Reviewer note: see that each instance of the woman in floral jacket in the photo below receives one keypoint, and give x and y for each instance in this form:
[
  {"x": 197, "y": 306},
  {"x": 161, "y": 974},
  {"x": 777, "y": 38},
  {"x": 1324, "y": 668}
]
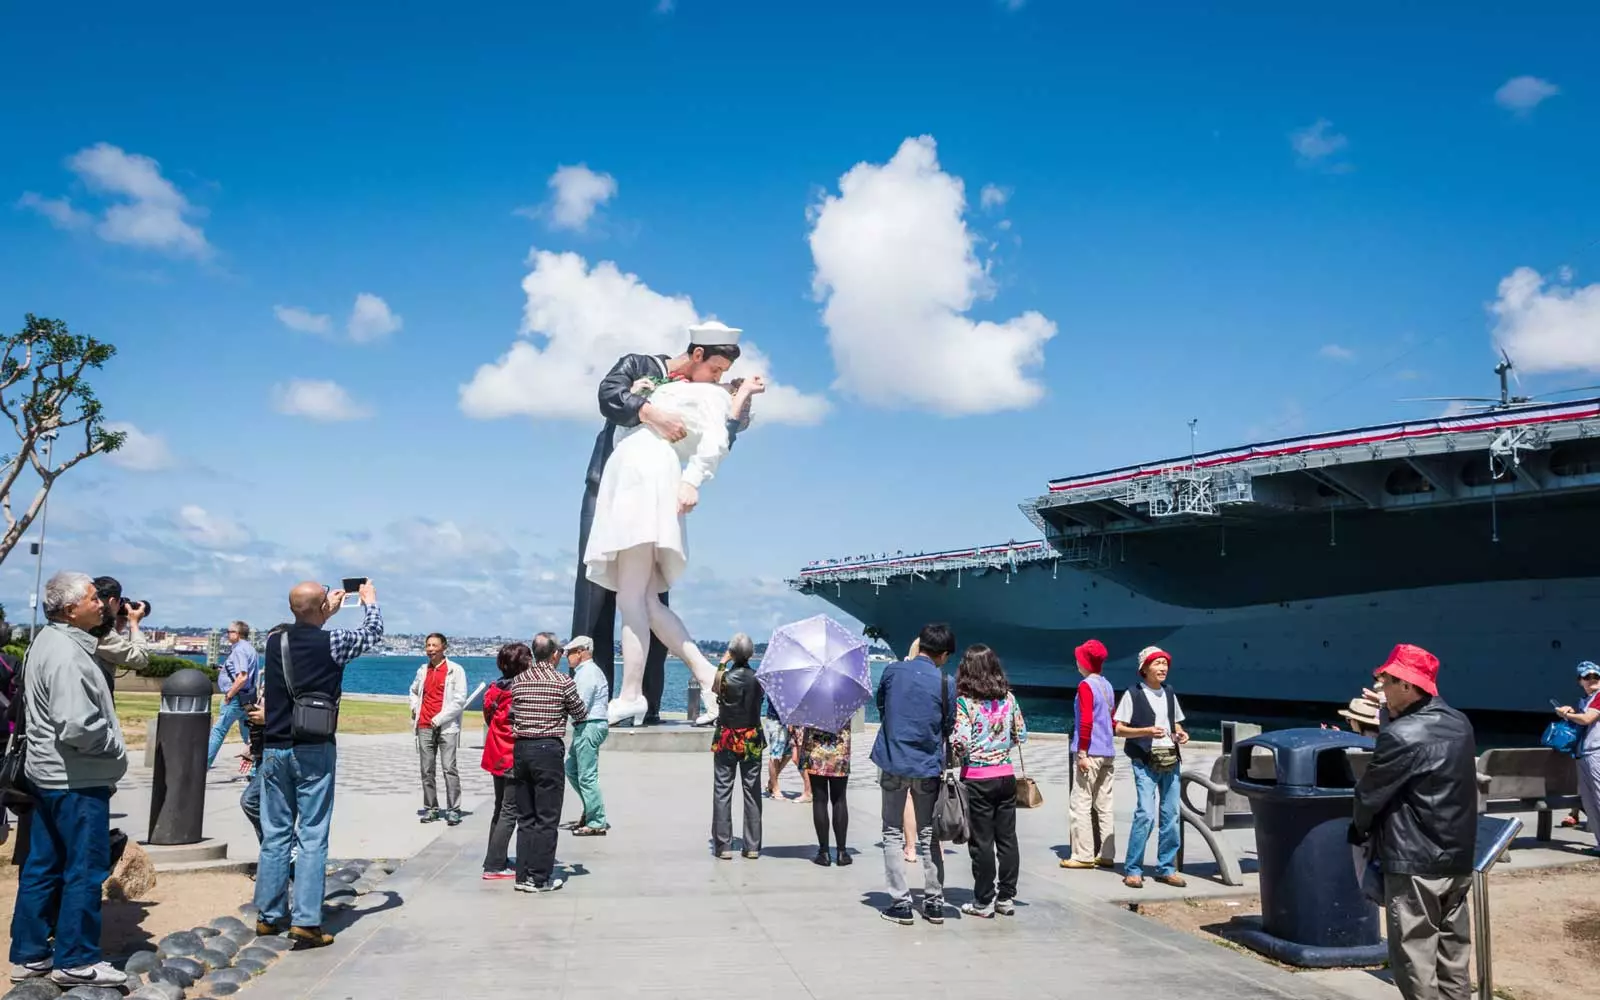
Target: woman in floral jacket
[{"x": 737, "y": 745}]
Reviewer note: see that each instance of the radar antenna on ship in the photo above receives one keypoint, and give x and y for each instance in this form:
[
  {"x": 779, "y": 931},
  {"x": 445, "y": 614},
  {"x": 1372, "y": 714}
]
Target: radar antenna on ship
[{"x": 1505, "y": 370}]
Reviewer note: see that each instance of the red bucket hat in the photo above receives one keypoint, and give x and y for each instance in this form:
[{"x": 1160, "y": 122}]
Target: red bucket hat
[
  {"x": 1414, "y": 665},
  {"x": 1091, "y": 655}
]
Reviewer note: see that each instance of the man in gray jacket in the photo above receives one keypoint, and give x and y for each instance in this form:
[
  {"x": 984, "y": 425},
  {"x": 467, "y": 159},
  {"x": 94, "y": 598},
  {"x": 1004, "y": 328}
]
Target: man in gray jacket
[{"x": 75, "y": 756}]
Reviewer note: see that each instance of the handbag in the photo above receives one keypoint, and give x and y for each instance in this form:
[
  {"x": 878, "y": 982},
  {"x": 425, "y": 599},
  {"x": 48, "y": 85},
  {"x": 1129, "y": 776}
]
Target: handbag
[
  {"x": 314, "y": 715},
  {"x": 14, "y": 783},
  {"x": 1563, "y": 737},
  {"x": 950, "y": 817},
  {"x": 1028, "y": 794}
]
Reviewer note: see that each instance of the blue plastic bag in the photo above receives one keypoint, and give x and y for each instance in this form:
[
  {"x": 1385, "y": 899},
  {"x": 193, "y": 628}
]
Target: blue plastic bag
[{"x": 1563, "y": 737}]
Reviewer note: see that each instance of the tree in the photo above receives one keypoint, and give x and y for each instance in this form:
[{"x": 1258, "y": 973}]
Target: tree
[{"x": 44, "y": 393}]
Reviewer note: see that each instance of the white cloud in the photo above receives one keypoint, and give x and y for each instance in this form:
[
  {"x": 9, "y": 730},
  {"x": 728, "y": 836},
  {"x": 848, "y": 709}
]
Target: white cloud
[
  {"x": 576, "y": 193},
  {"x": 992, "y": 197},
  {"x": 303, "y": 320},
  {"x": 140, "y": 452},
  {"x": 1336, "y": 352},
  {"x": 208, "y": 530},
  {"x": 1315, "y": 143},
  {"x": 317, "y": 400},
  {"x": 1524, "y": 93},
  {"x": 58, "y": 210},
  {"x": 152, "y": 213},
  {"x": 1547, "y": 327},
  {"x": 896, "y": 269},
  {"x": 587, "y": 318},
  {"x": 371, "y": 319}
]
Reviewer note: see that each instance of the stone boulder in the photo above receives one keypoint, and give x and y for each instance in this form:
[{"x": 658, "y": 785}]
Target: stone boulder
[
  {"x": 133, "y": 877},
  {"x": 34, "y": 989}
]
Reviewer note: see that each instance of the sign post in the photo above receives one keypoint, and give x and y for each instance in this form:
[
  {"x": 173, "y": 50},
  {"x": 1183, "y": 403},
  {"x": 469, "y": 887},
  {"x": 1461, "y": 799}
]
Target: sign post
[{"x": 1495, "y": 834}]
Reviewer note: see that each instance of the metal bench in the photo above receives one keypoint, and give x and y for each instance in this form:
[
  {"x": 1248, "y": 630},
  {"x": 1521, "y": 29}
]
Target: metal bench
[
  {"x": 1527, "y": 779},
  {"x": 1223, "y": 810}
]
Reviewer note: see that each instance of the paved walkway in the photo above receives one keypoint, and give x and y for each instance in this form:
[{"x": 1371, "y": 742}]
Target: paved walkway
[{"x": 648, "y": 909}]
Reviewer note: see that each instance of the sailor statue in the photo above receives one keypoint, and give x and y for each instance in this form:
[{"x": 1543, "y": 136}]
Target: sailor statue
[{"x": 669, "y": 423}]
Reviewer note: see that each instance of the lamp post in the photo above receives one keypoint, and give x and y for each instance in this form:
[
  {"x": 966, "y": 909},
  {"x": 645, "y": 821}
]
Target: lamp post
[{"x": 44, "y": 515}]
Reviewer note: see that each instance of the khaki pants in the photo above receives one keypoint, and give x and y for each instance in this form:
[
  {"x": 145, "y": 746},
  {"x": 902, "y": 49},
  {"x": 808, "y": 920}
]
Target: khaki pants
[
  {"x": 1430, "y": 935},
  {"x": 1091, "y": 800}
]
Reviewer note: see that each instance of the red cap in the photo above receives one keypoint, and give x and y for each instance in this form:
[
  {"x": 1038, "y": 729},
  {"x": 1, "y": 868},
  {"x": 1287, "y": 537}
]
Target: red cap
[
  {"x": 1091, "y": 655},
  {"x": 1414, "y": 665}
]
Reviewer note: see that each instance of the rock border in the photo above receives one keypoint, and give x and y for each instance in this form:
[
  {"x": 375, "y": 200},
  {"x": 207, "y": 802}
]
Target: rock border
[{"x": 218, "y": 959}]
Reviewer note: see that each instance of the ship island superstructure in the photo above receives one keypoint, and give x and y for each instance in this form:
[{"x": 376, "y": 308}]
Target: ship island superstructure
[{"x": 1285, "y": 570}]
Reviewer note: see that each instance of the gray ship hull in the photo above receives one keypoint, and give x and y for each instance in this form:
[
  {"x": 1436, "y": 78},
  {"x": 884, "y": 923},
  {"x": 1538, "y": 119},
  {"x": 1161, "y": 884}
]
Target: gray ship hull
[{"x": 1504, "y": 645}]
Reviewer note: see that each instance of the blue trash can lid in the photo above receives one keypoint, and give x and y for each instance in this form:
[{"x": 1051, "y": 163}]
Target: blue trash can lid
[{"x": 1295, "y": 755}]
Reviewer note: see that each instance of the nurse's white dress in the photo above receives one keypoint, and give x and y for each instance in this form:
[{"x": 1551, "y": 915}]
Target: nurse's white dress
[{"x": 638, "y": 498}]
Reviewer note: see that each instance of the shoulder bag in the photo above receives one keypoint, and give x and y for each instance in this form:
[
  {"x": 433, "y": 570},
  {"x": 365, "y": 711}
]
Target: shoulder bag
[
  {"x": 1028, "y": 794},
  {"x": 950, "y": 819},
  {"x": 14, "y": 784},
  {"x": 315, "y": 715},
  {"x": 1563, "y": 737}
]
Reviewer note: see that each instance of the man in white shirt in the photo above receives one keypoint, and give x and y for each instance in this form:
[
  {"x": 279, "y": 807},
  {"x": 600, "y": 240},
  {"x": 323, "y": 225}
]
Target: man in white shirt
[
  {"x": 1150, "y": 719},
  {"x": 583, "y": 760},
  {"x": 438, "y": 697}
]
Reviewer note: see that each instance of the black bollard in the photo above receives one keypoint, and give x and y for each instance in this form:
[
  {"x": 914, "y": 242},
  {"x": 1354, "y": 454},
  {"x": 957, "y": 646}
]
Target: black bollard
[{"x": 178, "y": 799}]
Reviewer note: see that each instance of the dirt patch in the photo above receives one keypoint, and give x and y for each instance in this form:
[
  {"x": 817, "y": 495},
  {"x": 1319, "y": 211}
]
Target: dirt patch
[
  {"x": 1542, "y": 917},
  {"x": 178, "y": 902}
]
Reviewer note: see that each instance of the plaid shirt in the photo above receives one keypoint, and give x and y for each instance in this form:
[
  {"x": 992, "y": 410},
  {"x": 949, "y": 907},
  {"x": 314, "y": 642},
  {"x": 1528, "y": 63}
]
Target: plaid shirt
[
  {"x": 348, "y": 643},
  {"x": 541, "y": 701}
]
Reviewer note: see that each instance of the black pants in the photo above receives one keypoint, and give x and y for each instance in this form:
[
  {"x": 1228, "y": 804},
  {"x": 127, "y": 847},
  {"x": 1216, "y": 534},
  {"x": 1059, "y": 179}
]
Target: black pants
[
  {"x": 829, "y": 792},
  {"x": 539, "y": 783},
  {"x": 749, "y": 770},
  {"x": 502, "y": 823},
  {"x": 992, "y": 811},
  {"x": 594, "y": 614}
]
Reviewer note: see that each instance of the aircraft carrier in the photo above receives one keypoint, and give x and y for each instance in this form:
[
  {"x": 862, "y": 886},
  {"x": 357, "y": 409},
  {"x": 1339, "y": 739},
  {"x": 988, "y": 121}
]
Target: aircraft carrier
[{"x": 1284, "y": 571}]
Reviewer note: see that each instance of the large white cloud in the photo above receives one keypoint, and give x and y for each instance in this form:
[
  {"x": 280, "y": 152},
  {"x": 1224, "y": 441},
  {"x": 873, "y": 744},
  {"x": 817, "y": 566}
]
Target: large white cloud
[
  {"x": 151, "y": 213},
  {"x": 1545, "y": 326},
  {"x": 897, "y": 271},
  {"x": 587, "y": 318}
]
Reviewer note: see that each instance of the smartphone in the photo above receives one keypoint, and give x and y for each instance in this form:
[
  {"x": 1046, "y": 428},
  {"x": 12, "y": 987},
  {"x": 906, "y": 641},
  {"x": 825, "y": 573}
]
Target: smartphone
[
  {"x": 350, "y": 585},
  {"x": 1554, "y": 703}
]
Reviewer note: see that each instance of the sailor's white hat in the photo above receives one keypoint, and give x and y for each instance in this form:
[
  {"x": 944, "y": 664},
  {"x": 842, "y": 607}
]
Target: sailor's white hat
[{"x": 713, "y": 334}]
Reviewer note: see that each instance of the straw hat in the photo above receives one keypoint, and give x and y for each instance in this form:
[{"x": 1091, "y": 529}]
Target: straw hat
[{"x": 1361, "y": 711}]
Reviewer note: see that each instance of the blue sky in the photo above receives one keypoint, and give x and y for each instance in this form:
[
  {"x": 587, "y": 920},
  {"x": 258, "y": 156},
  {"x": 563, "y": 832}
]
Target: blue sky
[{"x": 1105, "y": 223}]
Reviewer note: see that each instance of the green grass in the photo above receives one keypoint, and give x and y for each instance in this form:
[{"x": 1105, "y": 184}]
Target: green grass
[{"x": 357, "y": 717}]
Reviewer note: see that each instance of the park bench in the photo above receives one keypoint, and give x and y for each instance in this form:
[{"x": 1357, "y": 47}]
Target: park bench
[
  {"x": 1527, "y": 779},
  {"x": 1223, "y": 810}
]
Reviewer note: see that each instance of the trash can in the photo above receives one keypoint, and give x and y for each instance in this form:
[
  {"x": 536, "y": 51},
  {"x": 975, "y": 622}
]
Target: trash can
[
  {"x": 183, "y": 730},
  {"x": 1301, "y": 787}
]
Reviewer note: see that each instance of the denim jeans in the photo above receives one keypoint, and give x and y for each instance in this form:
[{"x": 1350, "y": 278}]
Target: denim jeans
[
  {"x": 583, "y": 768},
  {"x": 230, "y": 714},
  {"x": 296, "y": 804},
  {"x": 1148, "y": 784},
  {"x": 69, "y": 857},
  {"x": 923, "y": 792}
]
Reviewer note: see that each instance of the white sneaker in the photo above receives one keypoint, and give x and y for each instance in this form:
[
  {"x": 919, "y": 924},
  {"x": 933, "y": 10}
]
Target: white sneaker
[
  {"x": 972, "y": 909},
  {"x": 551, "y": 886},
  {"x": 23, "y": 971},
  {"x": 103, "y": 974}
]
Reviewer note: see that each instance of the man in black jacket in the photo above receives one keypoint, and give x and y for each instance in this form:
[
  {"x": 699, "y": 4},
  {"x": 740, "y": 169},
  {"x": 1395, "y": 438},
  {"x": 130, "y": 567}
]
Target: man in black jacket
[
  {"x": 594, "y": 608},
  {"x": 1419, "y": 797}
]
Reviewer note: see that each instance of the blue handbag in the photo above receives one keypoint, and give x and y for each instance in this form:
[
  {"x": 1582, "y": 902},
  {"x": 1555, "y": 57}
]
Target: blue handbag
[{"x": 1563, "y": 737}]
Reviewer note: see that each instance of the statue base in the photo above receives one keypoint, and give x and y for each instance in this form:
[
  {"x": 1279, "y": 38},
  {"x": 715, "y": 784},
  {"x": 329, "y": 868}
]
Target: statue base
[{"x": 667, "y": 736}]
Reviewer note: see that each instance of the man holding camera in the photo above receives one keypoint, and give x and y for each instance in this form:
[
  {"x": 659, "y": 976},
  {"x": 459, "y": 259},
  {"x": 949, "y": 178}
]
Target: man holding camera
[
  {"x": 303, "y": 680},
  {"x": 236, "y": 680},
  {"x": 121, "y": 642}
]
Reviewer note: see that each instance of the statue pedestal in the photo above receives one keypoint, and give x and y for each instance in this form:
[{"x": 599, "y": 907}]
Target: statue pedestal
[{"x": 663, "y": 737}]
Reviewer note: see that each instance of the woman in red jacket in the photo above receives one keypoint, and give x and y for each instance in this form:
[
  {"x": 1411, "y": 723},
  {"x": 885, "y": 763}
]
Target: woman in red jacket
[{"x": 498, "y": 742}]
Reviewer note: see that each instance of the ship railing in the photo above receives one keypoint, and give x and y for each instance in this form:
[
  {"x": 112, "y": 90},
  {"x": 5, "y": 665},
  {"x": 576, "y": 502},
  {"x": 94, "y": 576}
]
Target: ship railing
[{"x": 1005, "y": 558}]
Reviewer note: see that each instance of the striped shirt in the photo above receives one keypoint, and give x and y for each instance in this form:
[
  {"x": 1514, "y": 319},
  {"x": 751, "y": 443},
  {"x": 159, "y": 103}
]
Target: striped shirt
[{"x": 541, "y": 701}]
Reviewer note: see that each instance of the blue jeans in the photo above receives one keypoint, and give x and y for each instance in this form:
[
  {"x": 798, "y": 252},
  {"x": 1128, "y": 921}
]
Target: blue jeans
[
  {"x": 1148, "y": 783},
  {"x": 296, "y": 804},
  {"x": 231, "y": 713},
  {"x": 69, "y": 857}
]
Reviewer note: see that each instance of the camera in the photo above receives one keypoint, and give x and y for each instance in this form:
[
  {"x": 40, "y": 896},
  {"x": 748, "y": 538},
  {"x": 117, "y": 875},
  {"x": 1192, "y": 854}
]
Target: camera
[{"x": 128, "y": 602}]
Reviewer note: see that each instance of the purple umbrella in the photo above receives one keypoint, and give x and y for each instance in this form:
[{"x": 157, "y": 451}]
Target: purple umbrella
[{"x": 815, "y": 673}]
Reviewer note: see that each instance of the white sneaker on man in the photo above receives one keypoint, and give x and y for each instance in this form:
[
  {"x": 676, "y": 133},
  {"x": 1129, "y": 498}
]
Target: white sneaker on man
[
  {"x": 103, "y": 974},
  {"x": 21, "y": 972}
]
